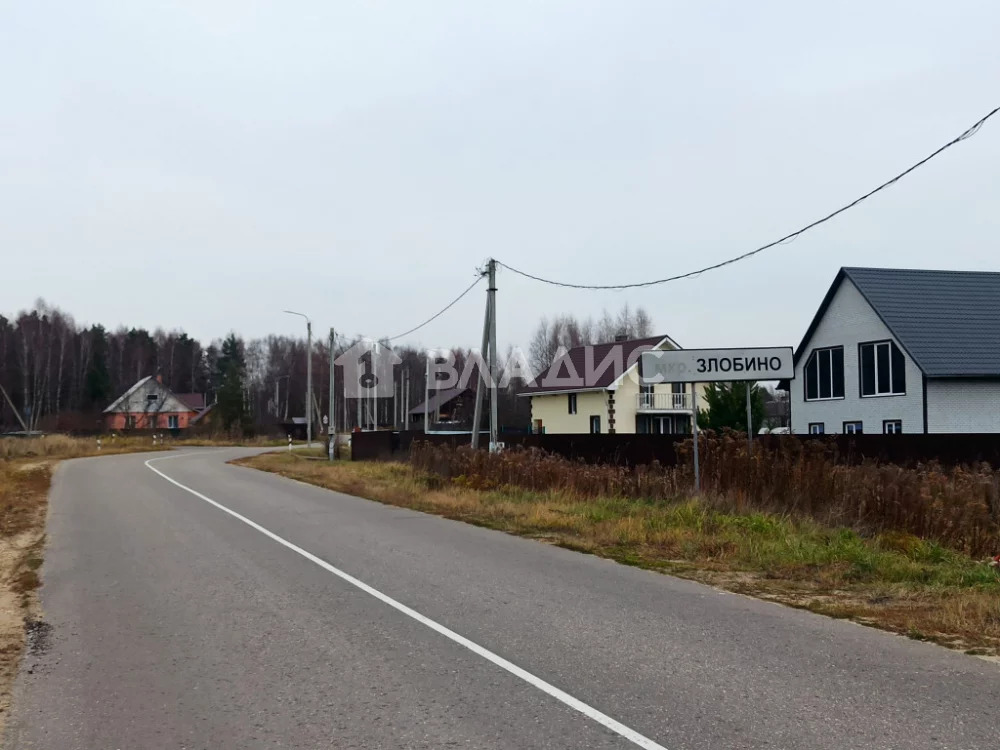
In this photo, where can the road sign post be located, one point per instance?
(712, 365)
(694, 434)
(749, 422)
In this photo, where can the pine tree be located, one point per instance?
(98, 378)
(727, 406)
(230, 374)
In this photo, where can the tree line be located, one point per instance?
(566, 331)
(58, 375)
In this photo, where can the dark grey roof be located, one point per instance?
(574, 363)
(948, 321)
(440, 398)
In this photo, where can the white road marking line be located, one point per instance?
(560, 695)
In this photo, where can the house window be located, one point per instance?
(130, 421)
(853, 428)
(816, 428)
(892, 427)
(677, 398)
(150, 398)
(825, 374)
(883, 369)
(595, 424)
(172, 422)
(646, 398)
(571, 401)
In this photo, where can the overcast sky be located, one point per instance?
(203, 164)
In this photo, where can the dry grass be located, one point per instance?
(64, 446)
(892, 580)
(24, 485)
(226, 441)
(958, 507)
(26, 467)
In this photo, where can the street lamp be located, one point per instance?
(309, 374)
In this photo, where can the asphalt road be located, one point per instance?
(292, 617)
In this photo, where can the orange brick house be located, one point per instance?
(150, 405)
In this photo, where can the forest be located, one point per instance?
(58, 375)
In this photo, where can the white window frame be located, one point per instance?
(889, 344)
(814, 354)
(814, 425)
(173, 422)
(854, 427)
(592, 418)
(897, 424)
(571, 403)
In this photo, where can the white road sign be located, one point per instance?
(710, 365)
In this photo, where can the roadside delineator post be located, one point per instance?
(289, 442)
(98, 444)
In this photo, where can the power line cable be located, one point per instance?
(968, 133)
(440, 312)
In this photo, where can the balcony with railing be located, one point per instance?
(663, 402)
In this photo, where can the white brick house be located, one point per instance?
(893, 350)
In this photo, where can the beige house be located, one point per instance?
(596, 389)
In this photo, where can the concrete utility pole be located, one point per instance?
(309, 374)
(477, 412)
(427, 394)
(374, 398)
(749, 422)
(489, 356)
(406, 399)
(16, 412)
(494, 370)
(332, 427)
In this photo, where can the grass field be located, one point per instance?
(892, 580)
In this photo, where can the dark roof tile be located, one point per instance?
(948, 321)
(575, 363)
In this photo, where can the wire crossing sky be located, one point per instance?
(968, 133)
(202, 166)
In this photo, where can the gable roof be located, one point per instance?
(195, 400)
(125, 396)
(439, 399)
(167, 403)
(947, 321)
(196, 419)
(574, 362)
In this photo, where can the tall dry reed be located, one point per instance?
(958, 507)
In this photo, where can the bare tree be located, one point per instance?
(606, 329)
(643, 323)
